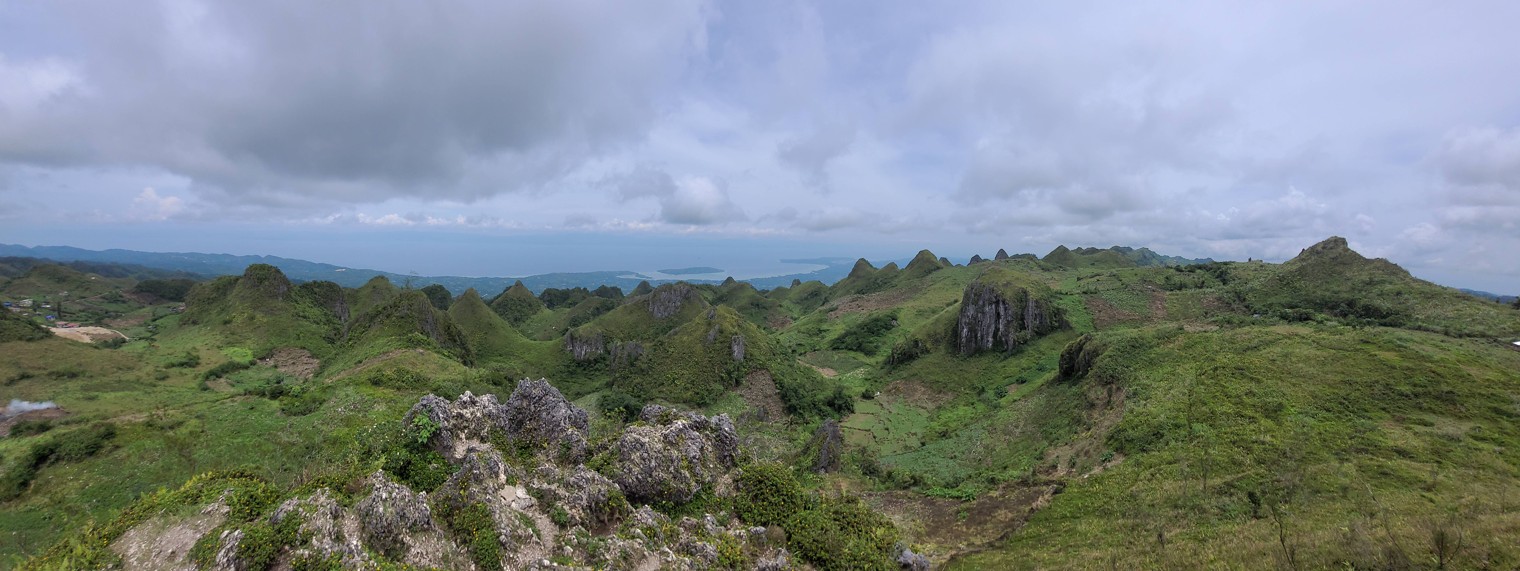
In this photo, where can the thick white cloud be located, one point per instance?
(1196, 128)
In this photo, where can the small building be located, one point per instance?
(24, 303)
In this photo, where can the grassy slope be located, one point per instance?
(1395, 409)
(1363, 443)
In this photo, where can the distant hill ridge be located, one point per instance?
(211, 265)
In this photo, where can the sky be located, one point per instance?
(509, 138)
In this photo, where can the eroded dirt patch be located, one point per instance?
(759, 391)
(295, 362)
(1158, 304)
(872, 301)
(7, 421)
(163, 543)
(917, 393)
(1105, 314)
(946, 528)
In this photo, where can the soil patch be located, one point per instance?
(1104, 314)
(1158, 304)
(128, 321)
(946, 528)
(163, 544)
(86, 334)
(916, 393)
(872, 301)
(292, 361)
(1088, 452)
(759, 391)
(825, 371)
(6, 422)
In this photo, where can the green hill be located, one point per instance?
(516, 304)
(1099, 408)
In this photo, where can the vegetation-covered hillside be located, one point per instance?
(1110, 408)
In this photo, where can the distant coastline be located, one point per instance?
(692, 270)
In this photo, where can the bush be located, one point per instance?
(621, 405)
(224, 369)
(474, 524)
(188, 360)
(67, 447)
(768, 494)
(865, 337)
(843, 533)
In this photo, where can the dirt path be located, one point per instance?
(86, 334)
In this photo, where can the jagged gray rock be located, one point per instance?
(589, 499)
(991, 318)
(585, 346)
(390, 514)
(911, 561)
(465, 422)
(538, 415)
(667, 300)
(976, 259)
(1001, 254)
(829, 442)
(621, 355)
(674, 456)
(329, 530)
(736, 348)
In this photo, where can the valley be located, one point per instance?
(1089, 408)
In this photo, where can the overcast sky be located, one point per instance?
(315, 129)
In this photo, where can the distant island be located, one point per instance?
(691, 271)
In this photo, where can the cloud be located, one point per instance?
(811, 153)
(353, 101)
(687, 200)
(150, 206)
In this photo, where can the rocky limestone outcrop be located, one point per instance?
(674, 455)
(911, 561)
(622, 355)
(736, 348)
(1078, 357)
(1001, 254)
(536, 416)
(393, 517)
(585, 346)
(458, 425)
(828, 442)
(539, 416)
(1001, 318)
(667, 300)
(330, 531)
(976, 259)
(535, 510)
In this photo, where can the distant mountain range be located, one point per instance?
(303, 270)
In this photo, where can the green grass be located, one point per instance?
(1359, 442)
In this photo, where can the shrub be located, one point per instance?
(621, 405)
(843, 533)
(768, 494)
(67, 447)
(865, 336)
(474, 524)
